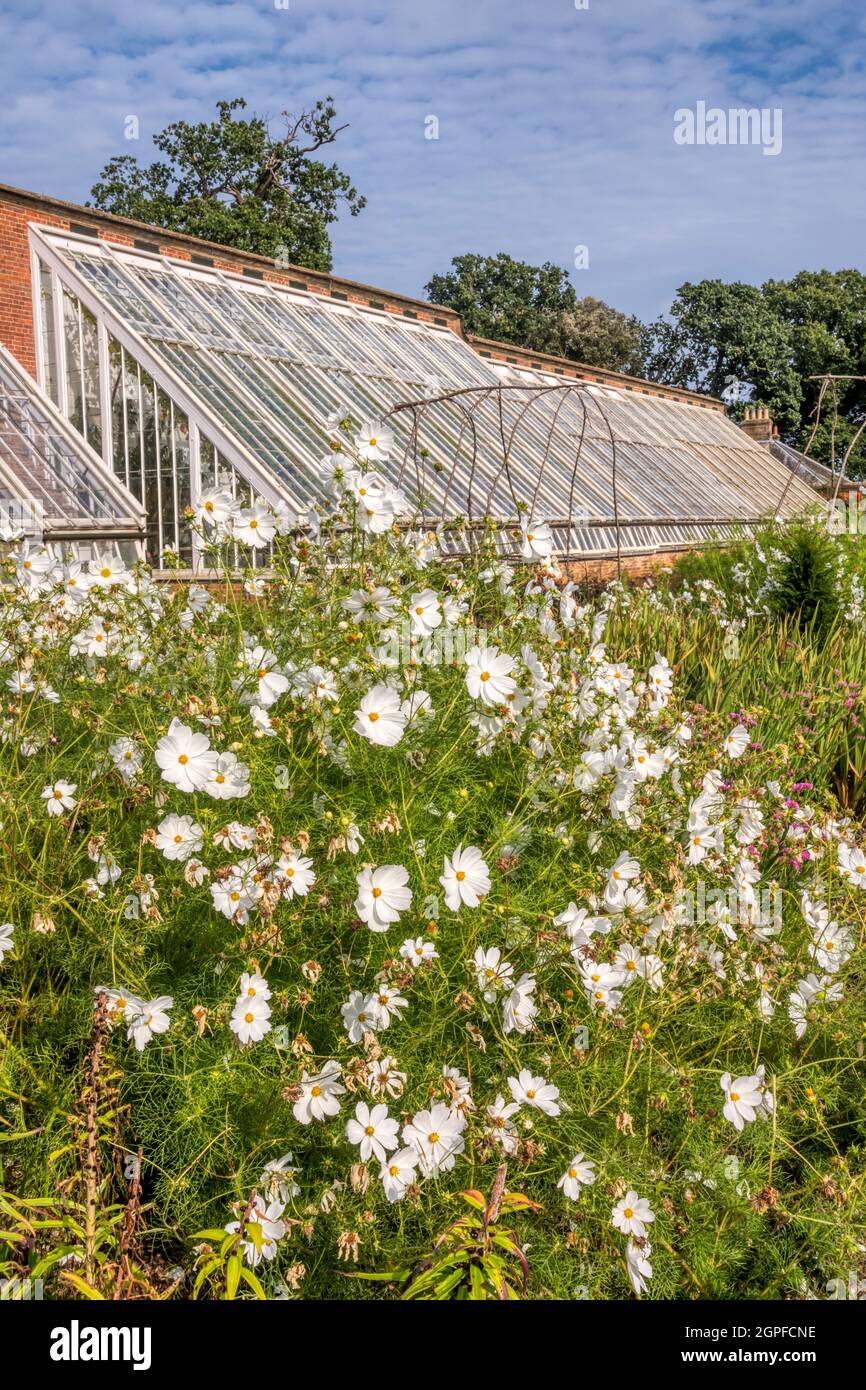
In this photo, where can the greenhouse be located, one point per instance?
(182, 376)
(53, 484)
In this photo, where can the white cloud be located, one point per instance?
(556, 125)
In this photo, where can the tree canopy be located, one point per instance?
(536, 307)
(772, 340)
(232, 181)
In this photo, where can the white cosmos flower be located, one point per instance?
(59, 796)
(228, 778)
(253, 986)
(632, 1214)
(464, 878)
(127, 758)
(374, 441)
(737, 741)
(382, 895)
(178, 837)
(398, 1172)
(852, 862)
(488, 675)
(6, 942)
(318, 1098)
(214, 507)
(184, 758)
(418, 950)
(499, 1117)
(373, 1130)
(360, 1015)
(492, 971)
(536, 541)
(637, 1258)
(619, 875)
(379, 717)
(534, 1091)
(425, 613)
(519, 1007)
(387, 1003)
(813, 989)
(746, 1097)
(254, 526)
(579, 1173)
(832, 947)
(232, 897)
(437, 1137)
(269, 1230)
(250, 1019)
(295, 875)
(147, 1018)
(264, 668)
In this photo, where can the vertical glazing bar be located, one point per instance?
(105, 394)
(81, 372)
(160, 535)
(41, 345)
(60, 340)
(195, 487)
(122, 352)
(174, 488)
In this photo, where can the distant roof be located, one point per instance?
(810, 471)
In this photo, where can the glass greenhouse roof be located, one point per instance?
(262, 371)
(50, 475)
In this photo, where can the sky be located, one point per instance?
(556, 124)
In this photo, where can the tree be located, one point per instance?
(600, 336)
(825, 312)
(771, 340)
(535, 307)
(233, 182)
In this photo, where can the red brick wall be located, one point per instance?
(597, 572)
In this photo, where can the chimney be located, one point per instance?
(757, 423)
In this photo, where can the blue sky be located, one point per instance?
(555, 123)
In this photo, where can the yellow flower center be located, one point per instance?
(459, 875)
(628, 1213)
(249, 1017)
(530, 1095)
(377, 892)
(183, 759)
(735, 1095)
(433, 1138)
(373, 717)
(369, 1130)
(316, 1091)
(485, 675)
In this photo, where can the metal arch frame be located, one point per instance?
(467, 399)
